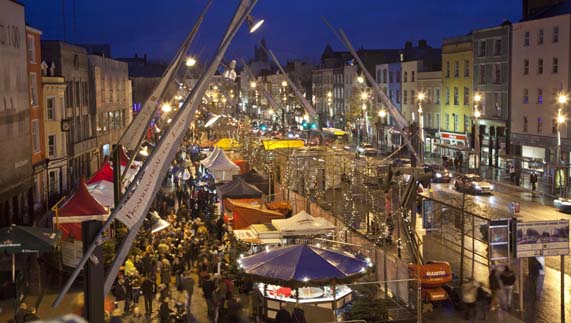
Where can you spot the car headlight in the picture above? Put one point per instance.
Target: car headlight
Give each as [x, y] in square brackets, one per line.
[491, 187]
[477, 187]
[438, 175]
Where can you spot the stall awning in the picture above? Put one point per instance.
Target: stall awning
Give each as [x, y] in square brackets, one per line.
[238, 188]
[103, 174]
[303, 224]
[227, 144]
[282, 144]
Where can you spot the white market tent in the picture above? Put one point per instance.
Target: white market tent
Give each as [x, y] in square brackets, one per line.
[221, 166]
[208, 160]
[303, 223]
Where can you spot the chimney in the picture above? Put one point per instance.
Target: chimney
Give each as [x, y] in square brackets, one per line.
[422, 43]
[408, 45]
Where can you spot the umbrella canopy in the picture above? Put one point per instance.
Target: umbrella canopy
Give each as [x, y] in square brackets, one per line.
[21, 239]
[303, 265]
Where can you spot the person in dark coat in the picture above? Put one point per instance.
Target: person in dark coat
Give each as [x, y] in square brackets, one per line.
[164, 311]
[508, 280]
[120, 292]
[298, 315]
[147, 288]
[283, 315]
[495, 287]
[208, 287]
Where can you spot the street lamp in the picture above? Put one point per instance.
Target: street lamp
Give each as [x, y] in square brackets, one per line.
[253, 85]
[190, 61]
[360, 79]
[477, 99]
[166, 108]
[382, 115]
[420, 98]
[284, 83]
[562, 100]
[253, 23]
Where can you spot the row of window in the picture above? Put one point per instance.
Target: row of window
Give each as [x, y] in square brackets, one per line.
[554, 66]
[541, 36]
[385, 76]
[76, 94]
[482, 52]
[539, 97]
[109, 121]
[467, 66]
[539, 128]
[456, 96]
[455, 126]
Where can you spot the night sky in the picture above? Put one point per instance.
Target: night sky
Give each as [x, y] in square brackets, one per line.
[293, 28]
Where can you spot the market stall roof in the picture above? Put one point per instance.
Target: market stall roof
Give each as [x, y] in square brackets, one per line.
[282, 144]
[238, 188]
[303, 265]
[303, 224]
[251, 236]
[246, 212]
[102, 191]
[103, 174]
[227, 144]
[81, 206]
[256, 179]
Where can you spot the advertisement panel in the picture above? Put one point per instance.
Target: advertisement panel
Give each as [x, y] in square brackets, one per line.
[542, 238]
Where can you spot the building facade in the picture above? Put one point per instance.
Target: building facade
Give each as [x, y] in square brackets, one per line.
[34, 55]
[54, 89]
[430, 84]
[456, 101]
[71, 62]
[110, 101]
[16, 181]
[540, 72]
[491, 78]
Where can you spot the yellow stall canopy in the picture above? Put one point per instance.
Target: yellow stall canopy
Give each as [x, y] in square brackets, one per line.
[282, 144]
[227, 144]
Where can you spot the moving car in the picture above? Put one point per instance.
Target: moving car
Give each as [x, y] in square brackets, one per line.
[367, 150]
[439, 173]
[473, 183]
[563, 204]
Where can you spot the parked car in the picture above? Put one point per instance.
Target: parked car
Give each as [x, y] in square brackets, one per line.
[563, 204]
[472, 183]
[439, 173]
[367, 150]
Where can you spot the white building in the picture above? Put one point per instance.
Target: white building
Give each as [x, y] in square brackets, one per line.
[540, 71]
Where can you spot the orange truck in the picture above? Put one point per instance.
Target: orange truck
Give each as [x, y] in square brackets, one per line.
[433, 276]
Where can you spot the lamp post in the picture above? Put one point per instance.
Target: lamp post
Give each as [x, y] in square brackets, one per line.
[420, 98]
[477, 99]
[562, 100]
[382, 115]
[364, 97]
[284, 88]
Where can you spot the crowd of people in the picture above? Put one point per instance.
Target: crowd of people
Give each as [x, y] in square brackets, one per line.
[195, 251]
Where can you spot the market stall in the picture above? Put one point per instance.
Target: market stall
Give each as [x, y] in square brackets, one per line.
[303, 274]
[79, 207]
[221, 167]
[303, 224]
[244, 212]
[258, 180]
[227, 144]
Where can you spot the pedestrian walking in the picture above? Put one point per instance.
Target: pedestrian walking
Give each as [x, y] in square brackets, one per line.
[495, 287]
[119, 290]
[148, 288]
[533, 181]
[469, 297]
[536, 276]
[188, 286]
[208, 289]
[508, 280]
[512, 172]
